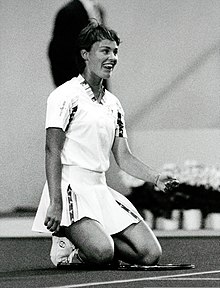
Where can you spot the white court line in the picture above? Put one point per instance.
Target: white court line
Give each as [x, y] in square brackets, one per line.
[194, 278]
[138, 279]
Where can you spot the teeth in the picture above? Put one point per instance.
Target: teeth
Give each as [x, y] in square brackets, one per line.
[108, 66]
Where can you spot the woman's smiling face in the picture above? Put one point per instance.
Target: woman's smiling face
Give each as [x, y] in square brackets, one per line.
[102, 58]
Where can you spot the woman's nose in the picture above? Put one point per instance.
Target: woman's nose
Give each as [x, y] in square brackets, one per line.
[113, 56]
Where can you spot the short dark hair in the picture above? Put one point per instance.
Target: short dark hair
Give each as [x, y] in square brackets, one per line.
[92, 33]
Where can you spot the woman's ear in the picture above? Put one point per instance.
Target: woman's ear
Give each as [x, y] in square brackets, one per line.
[84, 54]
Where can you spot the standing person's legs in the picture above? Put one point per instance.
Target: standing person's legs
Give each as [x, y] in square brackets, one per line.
[94, 245]
[137, 245]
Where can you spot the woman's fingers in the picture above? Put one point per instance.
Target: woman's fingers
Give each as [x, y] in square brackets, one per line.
[170, 185]
[52, 224]
[55, 227]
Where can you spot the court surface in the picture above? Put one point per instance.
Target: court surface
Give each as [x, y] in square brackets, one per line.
[198, 277]
[24, 263]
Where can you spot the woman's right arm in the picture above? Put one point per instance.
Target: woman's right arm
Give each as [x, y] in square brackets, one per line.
[55, 138]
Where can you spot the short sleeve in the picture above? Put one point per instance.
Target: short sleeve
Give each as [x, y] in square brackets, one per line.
[60, 111]
[120, 126]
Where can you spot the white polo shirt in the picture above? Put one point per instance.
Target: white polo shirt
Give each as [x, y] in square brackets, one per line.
[90, 126]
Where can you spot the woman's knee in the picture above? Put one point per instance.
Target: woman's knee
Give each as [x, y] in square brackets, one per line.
[101, 254]
[152, 256]
[89, 236]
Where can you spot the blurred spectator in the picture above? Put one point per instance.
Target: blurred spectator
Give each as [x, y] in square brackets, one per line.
[69, 21]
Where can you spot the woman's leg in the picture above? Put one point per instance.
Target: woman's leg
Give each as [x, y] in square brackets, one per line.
[94, 245]
[137, 245]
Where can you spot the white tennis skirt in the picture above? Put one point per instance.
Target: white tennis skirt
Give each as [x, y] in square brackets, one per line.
[85, 194]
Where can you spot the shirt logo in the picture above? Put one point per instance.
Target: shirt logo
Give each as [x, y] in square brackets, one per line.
[61, 108]
[62, 244]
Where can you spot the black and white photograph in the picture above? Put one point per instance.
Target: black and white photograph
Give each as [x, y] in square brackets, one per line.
[110, 133]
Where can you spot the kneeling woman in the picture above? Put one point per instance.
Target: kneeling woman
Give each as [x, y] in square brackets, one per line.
[89, 221]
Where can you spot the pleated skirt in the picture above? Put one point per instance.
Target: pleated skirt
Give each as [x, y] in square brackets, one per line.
[85, 193]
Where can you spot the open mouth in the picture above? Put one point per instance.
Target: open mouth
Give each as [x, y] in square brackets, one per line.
[109, 66]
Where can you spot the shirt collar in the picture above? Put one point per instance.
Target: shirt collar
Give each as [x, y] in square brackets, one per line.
[88, 89]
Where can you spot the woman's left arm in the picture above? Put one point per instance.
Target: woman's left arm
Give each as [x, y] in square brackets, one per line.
[135, 167]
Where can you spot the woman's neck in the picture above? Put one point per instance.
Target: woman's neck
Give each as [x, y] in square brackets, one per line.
[94, 82]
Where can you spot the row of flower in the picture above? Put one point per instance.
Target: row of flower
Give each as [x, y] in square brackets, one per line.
[195, 174]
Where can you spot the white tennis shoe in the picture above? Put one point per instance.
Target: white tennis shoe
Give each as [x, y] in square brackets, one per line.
[62, 251]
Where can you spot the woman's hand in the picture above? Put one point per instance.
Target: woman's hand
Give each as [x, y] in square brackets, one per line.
[166, 183]
[53, 217]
